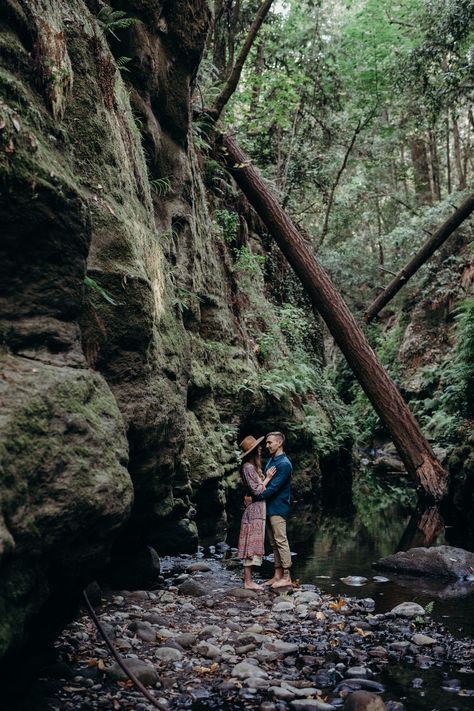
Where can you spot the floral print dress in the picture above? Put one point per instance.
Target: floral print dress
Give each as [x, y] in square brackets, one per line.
[252, 528]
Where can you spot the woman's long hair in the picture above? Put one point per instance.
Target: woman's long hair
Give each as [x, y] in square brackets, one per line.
[253, 457]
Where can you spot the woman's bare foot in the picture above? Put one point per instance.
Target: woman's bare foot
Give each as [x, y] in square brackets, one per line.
[252, 586]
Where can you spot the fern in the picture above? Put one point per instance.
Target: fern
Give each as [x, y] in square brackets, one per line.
[122, 64]
[112, 20]
[162, 186]
[92, 284]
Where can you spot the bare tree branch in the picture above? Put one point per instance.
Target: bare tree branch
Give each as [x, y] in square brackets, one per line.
[234, 76]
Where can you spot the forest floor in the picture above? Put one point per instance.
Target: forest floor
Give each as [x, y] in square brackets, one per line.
[203, 642]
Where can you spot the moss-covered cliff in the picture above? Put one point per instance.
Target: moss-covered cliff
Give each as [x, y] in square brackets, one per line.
[141, 334]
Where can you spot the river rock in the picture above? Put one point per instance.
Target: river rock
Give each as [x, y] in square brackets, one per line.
[186, 639]
[311, 705]
[357, 673]
[283, 606]
[354, 580]
[244, 670]
[143, 630]
[438, 562]
[276, 645]
[192, 588]
[309, 596]
[281, 693]
[408, 609]
[241, 593]
[206, 649]
[168, 654]
[198, 568]
[364, 701]
[422, 640]
[144, 671]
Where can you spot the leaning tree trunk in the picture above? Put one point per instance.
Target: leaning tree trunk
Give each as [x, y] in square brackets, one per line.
[412, 446]
[423, 254]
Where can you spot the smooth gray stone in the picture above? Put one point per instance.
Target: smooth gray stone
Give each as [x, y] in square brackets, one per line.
[144, 671]
[408, 609]
[168, 654]
[364, 701]
[244, 670]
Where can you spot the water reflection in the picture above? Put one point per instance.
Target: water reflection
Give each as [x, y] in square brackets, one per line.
[340, 547]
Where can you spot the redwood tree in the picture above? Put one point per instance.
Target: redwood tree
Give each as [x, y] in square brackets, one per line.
[430, 246]
[411, 444]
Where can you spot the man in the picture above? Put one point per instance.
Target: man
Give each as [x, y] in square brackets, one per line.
[278, 497]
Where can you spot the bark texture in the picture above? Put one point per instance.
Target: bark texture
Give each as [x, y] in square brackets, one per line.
[428, 249]
[414, 449]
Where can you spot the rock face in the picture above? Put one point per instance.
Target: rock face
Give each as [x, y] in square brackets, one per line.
[438, 562]
[131, 329]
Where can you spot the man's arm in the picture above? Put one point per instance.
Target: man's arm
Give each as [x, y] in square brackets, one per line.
[277, 483]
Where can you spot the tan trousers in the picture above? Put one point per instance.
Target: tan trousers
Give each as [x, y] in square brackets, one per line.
[276, 532]
[254, 560]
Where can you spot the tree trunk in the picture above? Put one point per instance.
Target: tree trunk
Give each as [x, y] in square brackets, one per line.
[448, 157]
[258, 71]
[430, 246]
[234, 76]
[421, 171]
[457, 155]
[414, 450]
[436, 191]
[219, 44]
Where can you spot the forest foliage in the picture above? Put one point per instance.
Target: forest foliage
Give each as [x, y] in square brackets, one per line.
[359, 115]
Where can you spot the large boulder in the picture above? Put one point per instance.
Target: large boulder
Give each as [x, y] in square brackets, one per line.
[438, 562]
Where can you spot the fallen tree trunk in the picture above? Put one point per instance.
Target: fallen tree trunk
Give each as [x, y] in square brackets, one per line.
[430, 246]
[412, 446]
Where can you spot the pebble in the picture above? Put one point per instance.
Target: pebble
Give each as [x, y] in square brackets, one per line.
[192, 588]
[145, 672]
[422, 640]
[364, 701]
[241, 593]
[310, 705]
[168, 654]
[354, 580]
[408, 609]
[206, 649]
[244, 670]
[198, 568]
[283, 606]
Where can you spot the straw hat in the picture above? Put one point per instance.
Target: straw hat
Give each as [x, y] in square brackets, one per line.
[248, 444]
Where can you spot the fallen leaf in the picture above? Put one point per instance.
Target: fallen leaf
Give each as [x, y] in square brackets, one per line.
[362, 633]
[338, 605]
[91, 662]
[10, 147]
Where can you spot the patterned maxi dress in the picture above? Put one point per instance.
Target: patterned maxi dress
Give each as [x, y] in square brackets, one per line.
[252, 528]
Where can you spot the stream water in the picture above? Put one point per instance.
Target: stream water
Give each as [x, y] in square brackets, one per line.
[335, 547]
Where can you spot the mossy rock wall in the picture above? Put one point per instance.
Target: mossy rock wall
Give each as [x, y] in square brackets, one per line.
[129, 333]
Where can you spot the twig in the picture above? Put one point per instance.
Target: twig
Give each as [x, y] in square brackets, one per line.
[119, 659]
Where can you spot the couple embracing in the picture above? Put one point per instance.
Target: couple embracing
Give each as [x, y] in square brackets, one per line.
[268, 498]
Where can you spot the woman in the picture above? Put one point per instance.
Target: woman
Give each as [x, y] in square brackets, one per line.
[252, 528]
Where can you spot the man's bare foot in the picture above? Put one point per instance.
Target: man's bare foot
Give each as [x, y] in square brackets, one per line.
[284, 582]
[252, 586]
[272, 581]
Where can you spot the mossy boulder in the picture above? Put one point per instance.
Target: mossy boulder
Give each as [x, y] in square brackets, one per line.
[63, 493]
